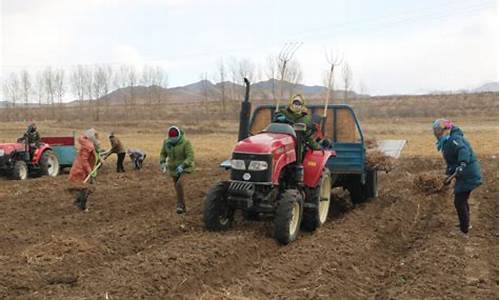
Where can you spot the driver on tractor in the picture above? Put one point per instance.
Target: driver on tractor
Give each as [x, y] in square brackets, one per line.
[31, 138]
[297, 112]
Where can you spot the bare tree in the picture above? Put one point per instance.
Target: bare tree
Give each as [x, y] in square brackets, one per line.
[59, 85]
[293, 75]
[78, 84]
[363, 90]
[204, 82]
[50, 89]
[132, 82]
[160, 82]
[25, 86]
[148, 74]
[346, 79]
[99, 88]
[11, 88]
[272, 73]
[39, 87]
[221, 78]
[88, 79]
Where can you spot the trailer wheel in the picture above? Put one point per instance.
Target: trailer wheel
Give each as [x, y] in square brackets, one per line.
[49, 164]
[357, 191]
[288, 216]
[316, 216]
[20, 170]
[217, 214]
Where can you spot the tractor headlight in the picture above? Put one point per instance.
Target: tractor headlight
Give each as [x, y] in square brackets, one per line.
[238, 164]
[257, 165]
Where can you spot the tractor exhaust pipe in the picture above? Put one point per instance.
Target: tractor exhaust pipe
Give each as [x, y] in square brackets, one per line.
[246, 107]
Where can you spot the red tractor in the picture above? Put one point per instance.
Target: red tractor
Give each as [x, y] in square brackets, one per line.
[273, 173]
[18, 160]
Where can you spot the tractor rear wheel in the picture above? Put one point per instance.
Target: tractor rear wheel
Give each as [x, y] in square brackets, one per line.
[49, 164]
[217, 214]
[288, 216]
[316, 215]
[20, 170]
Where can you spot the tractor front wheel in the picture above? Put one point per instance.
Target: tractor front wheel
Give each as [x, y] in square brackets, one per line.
[20, 170]
[288, 216]
[49, 164]
[217, 214]
[316, 215]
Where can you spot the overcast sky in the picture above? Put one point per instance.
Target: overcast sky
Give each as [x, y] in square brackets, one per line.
[392, 46]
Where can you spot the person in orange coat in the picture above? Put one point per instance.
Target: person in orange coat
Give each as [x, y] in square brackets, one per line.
[83, 166]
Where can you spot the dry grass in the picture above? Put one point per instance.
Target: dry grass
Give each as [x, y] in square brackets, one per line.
[215, 140]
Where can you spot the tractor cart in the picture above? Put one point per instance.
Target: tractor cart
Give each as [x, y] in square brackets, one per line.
[274, 175]
[18, 160]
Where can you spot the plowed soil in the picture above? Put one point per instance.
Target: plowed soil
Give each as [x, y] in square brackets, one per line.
[131, 244]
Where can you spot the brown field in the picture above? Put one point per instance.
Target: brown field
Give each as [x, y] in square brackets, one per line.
[131, 244]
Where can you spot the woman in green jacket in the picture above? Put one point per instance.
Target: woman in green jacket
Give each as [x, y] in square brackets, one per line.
[177, 158]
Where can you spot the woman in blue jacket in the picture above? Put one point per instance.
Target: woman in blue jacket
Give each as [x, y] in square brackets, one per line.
[461, 161]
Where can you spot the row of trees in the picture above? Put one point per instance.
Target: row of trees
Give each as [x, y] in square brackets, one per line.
[90, 85]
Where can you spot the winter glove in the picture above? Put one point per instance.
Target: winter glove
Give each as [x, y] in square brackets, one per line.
[460, 169]
[280, 118]
[163, 167]
[179, 170]
[325, 143]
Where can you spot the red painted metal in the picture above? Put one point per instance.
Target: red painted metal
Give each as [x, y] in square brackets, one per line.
[314, 162]
[39, 152]
[11, 147]
[264, 143]
[59, 140]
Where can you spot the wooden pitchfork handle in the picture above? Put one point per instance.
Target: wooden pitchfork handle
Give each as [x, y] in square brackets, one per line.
[90, 174]
[449, 179]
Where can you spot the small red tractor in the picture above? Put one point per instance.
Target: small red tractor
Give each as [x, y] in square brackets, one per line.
[18, 160]
[273, 173]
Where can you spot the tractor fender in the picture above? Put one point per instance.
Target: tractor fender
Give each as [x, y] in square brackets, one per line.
[39, 152]
[314, 162]
[282, 157]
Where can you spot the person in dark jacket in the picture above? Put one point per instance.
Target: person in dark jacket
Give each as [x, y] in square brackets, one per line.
[31, 138]
[297, 112]
[177, 159]
[116, 147]
[137, 156]
[461, 161]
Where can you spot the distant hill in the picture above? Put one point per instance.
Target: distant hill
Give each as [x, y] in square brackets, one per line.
[487, 87]
[205, 89]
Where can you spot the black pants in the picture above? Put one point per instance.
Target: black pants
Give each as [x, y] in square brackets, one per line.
[138, 161]
[462, 207]
[119, 162]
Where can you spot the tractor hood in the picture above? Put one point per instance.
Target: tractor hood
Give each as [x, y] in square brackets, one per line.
[8, 148]
[265, 143]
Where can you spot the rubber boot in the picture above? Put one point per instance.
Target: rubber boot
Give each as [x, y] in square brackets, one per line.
[80, 200]
[181, 206]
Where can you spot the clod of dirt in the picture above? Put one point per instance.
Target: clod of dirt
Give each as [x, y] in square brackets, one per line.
[379, 161]
[370, 143]
[430, 183]
[56, 249]
[68, 279]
